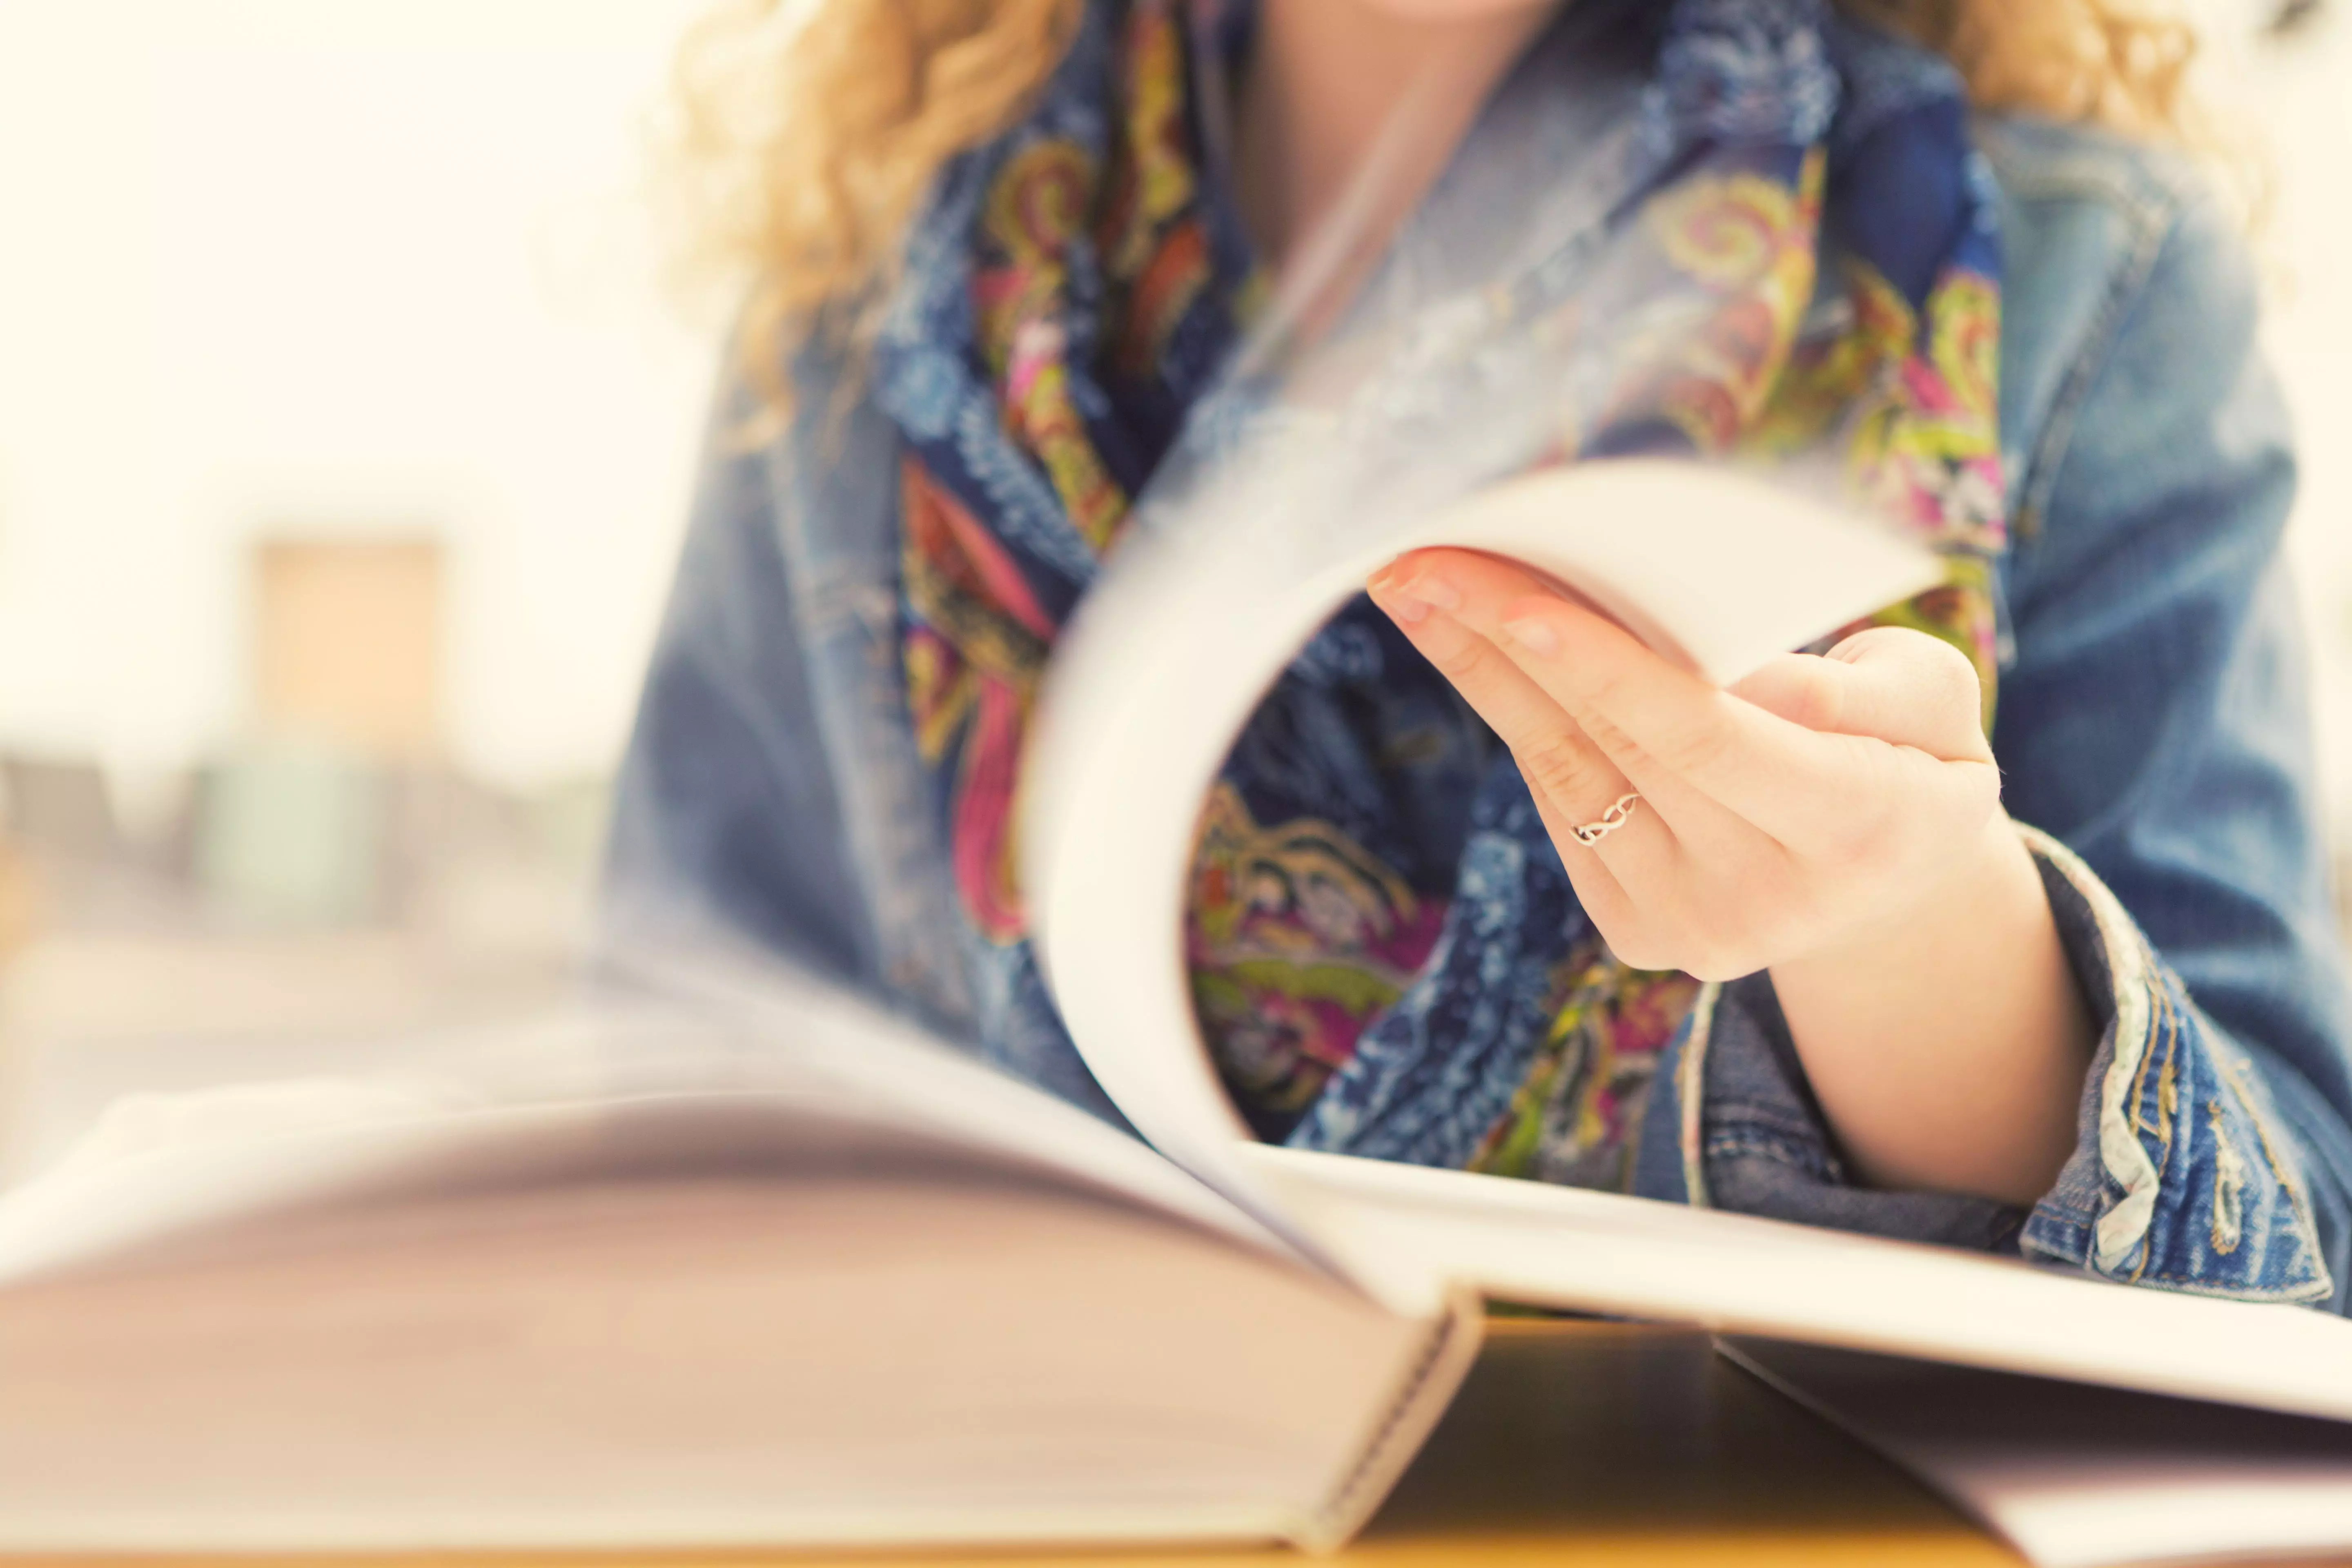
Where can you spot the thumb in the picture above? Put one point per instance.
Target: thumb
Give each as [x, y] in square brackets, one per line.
[1889, 683]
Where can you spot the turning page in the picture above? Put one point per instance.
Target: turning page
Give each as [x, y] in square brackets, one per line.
[1174, 648]
[1541, 1244]
[158, 1165]
[1166, 662]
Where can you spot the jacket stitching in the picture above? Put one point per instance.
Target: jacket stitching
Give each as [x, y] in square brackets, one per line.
[2144, 1008]
[2154, 218]
[880, 831]
[2058, 429]
[1727, 1114]
[2235, 1071]
[2165, 1033]
[2228, 1216]
[2173, 1031]
[1794, 1153]
[1690, 1084]
[2193, 1285]
[2125, 1162]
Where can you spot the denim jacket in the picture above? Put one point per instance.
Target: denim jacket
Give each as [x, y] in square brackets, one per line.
[2152, 730]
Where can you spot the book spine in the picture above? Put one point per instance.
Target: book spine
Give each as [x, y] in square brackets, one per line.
[1403, 1424]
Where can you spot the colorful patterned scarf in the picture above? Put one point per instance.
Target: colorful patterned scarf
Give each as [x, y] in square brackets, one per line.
[1387, 957]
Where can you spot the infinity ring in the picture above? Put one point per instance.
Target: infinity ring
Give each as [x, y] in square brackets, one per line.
[1615, 817]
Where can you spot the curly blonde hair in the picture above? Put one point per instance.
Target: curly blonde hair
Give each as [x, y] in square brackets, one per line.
[809, 129]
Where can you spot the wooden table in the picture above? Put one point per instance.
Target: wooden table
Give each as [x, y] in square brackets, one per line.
[1587, 1445]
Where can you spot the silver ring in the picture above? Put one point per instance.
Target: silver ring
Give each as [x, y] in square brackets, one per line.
[1615, 817]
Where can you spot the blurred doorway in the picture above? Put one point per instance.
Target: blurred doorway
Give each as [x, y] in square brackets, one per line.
[347, 643]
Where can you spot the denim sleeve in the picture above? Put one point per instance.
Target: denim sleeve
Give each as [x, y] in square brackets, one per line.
[725, 814]
[2153, 729]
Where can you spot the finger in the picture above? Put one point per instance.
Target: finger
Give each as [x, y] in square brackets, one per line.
[1475, 589]
[1612, 908]
[1891, 683]
[1778, 775]
[1569, 776]
[1723, 772]
[1597, 816]
[1518, 710]
[1813, 792]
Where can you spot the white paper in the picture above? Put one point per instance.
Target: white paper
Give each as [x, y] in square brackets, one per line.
[2080, 1478]
[1172, 650]
[159, 1163]
[1164, 663]
[1561, 1247]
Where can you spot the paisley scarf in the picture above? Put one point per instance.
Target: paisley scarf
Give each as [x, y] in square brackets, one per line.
[1387, 957]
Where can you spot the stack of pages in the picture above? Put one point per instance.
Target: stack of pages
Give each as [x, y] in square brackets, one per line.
[750, 1263]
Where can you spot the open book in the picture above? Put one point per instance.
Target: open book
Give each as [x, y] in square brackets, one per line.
[750, 1263]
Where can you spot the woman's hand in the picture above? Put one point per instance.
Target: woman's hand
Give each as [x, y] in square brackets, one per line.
[1777, 819]
[1835, 820]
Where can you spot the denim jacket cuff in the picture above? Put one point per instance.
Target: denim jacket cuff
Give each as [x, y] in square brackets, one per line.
[2183, 1175]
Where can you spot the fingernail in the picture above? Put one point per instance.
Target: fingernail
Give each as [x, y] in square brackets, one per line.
[1533, 636]
[1432, 589]
[1409, 611]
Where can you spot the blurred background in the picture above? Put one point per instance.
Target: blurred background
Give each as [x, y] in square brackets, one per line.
[347, 423]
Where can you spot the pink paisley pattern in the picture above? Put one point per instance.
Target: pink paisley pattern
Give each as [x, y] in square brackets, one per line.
[1575, 1119]
[971, 658]
[1745, 244]
[1298, 937]
[977, 639]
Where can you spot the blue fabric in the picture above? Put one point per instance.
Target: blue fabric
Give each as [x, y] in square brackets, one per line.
[2152, 722]
[1736, 97]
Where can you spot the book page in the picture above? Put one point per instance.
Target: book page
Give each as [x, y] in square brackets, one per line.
[158, 1164]
[2080, 1478]
[1168, 657]
[659, 1324]
[1172, 652]
[1547, 1246]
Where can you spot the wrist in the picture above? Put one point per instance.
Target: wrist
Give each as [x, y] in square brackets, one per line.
[1947, 1043]
[1992, 885]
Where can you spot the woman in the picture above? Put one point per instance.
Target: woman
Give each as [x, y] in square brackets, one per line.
[1484, 883]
